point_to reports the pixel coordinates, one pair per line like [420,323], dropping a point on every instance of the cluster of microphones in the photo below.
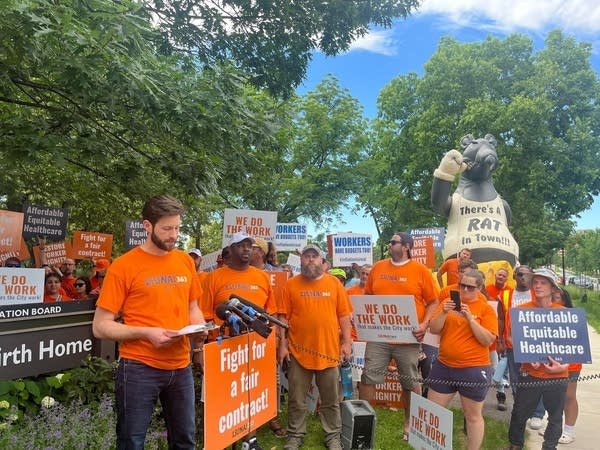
[243,315]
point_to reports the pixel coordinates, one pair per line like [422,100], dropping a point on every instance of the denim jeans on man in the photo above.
[137,389]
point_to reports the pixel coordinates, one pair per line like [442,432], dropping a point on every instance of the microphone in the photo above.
[258,311]
[222,311]
[229,310]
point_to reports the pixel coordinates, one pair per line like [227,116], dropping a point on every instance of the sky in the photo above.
[374,60]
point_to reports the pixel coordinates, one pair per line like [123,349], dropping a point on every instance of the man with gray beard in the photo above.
[316,307]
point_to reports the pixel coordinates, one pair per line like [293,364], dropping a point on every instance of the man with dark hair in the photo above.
[399,275]
[155,290]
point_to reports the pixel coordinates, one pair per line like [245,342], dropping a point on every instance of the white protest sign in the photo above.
[294,261]
[350,248]
[385,318]
[21,285]
[430,425]
[252,222]
[290,236]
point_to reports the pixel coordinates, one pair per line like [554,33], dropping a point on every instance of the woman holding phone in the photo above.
[467,326]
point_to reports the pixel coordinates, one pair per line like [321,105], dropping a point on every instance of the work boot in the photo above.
[292,443]
[501,397]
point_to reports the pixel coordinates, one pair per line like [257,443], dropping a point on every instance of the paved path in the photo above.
[587,428]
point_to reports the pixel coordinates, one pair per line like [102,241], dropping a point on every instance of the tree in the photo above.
[310,173]
[92,117]
[543,109]
[272,40]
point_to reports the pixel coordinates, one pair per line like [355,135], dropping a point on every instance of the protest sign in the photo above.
[435,233]
[45,221]
[11,227]
[290,236]
[294,262]
[135,233]
[349,248]
[21,285]
[557,332]
[55,253]
[385,318]
[423,251]
[430,425]
[240,388]
[90,245]
[252,222]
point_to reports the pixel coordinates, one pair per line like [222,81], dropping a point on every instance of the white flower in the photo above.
[48,402]
[12,418]
[59,376]
[4,404]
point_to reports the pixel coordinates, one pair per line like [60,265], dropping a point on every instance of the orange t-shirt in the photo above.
[61,298]
[251,284]
[357,289]
[152,291]
[68,284]
[450,268]
[526,367]
[458,346]
[313,309]
[412,278]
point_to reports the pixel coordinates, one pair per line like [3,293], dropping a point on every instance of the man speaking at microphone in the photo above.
[238,277]
[316,307]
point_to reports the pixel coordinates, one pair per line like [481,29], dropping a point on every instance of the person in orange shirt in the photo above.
[450,268]
[399,275]
[532,387]
[464,357]
[240,278]
[315,306]
[154,289]
[358,289]
[53,291]
[67,269]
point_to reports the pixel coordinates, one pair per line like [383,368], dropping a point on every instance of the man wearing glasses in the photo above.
[399,275]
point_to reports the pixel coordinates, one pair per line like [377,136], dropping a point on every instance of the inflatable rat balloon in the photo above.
[478,217]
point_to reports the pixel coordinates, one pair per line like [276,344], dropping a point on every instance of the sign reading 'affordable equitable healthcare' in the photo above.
[240,386]
[385,318]
[558,332]
[45,221]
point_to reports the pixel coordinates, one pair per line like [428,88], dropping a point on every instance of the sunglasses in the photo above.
[394,242]
[467,287]
[14,265]
[79,284]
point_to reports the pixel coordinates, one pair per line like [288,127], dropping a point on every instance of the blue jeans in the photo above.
[137,388]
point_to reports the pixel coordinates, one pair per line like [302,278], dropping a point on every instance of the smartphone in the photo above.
[455,297]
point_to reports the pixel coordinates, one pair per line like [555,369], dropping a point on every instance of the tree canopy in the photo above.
[543,108]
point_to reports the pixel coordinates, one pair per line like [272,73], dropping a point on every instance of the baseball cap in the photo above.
[101,264]
[239,237]
[262,244]
[406,239]
[195,251]
[337,272]
[312,247]
[546,273]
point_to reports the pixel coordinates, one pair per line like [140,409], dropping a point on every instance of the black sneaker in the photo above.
[501,397]
[251,444]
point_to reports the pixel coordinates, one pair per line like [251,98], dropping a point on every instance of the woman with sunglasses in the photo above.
[83,287]
[467,329]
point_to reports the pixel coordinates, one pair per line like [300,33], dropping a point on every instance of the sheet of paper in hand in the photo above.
[194,328]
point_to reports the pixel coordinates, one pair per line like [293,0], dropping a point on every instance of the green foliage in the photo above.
[85,384]
[271,41]
[543,109]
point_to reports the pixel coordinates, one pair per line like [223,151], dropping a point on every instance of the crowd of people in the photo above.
[471,318]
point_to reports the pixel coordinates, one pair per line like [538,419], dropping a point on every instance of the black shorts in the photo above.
[470,382]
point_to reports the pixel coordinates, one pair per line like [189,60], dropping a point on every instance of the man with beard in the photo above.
[240,278]
[316,307]
[399,275]
[154,289]
[67,269]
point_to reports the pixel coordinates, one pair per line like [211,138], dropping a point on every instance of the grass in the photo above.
[388,432]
